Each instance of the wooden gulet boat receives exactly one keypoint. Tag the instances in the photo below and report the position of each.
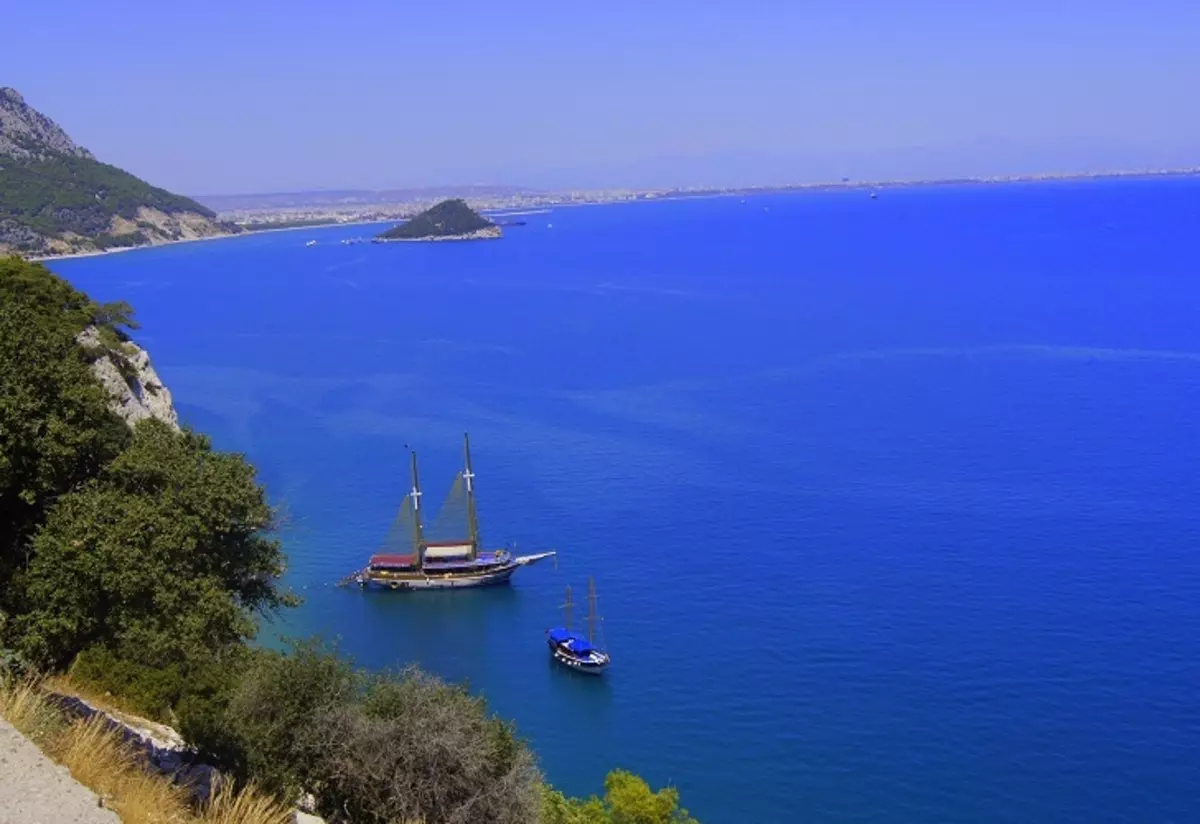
(571, 649)
(446, 563)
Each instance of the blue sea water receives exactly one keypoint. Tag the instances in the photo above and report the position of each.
(891, 505)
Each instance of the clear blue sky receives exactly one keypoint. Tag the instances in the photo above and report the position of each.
(219, 97)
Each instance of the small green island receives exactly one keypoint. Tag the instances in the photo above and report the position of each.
(448, 220)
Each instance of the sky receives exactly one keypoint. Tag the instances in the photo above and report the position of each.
(249, 97)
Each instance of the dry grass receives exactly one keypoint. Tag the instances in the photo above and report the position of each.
(245, 806)
(99, 759)
(22, 706)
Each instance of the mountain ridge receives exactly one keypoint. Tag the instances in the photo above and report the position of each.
(57, 198)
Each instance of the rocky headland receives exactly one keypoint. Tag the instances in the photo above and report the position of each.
(56, 198)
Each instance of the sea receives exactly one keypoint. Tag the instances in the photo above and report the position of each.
(892, 505)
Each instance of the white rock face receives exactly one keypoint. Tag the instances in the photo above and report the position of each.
(143, 396)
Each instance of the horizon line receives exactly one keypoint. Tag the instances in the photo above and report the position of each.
(845, 183)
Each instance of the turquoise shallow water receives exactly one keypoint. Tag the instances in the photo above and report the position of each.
(891, 504)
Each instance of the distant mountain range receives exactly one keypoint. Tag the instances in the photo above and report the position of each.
(56, 198)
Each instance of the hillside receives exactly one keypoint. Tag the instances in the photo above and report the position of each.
(56, 198)
(448, 220)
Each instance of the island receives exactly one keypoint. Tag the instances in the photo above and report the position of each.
(448, 220)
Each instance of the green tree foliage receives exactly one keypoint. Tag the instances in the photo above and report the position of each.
(58, 305)
(161, 557)
(56, 429)
(278, 699)
(59, 193)
(116, 315)
(628, 799)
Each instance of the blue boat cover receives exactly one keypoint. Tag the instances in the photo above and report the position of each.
(571, 641)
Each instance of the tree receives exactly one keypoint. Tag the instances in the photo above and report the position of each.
(115, 315)
(161, 557)
(628, 799)
(56, 429)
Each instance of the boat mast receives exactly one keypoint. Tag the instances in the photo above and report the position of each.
(469, 479)
(567, 609)
(415, 494)
(591, 610)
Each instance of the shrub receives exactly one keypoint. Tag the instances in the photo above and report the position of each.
(379, 748)
(280, 697)
(628, 799)
(416, 748)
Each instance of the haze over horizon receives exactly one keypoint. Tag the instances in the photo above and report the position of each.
(231, 99)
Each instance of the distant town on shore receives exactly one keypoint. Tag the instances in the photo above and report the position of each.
(323, 207)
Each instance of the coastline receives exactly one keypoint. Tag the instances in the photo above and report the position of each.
(99, 252)
(489, 233)
(794, 188)
(247, 233)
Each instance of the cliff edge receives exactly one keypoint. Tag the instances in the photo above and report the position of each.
(124, 370)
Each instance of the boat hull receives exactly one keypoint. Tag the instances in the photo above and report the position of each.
(423, 581)
(576, 664)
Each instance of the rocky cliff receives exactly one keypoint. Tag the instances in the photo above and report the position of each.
(30, 135)
(56, 198)
(125, 372)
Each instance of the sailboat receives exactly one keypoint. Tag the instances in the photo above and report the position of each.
(572, 649)
(414, 558)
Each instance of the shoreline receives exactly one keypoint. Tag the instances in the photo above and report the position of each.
(489, 233)
(246, 233)
(698, 193)
(117, 251)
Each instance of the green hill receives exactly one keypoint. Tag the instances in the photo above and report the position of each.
(55, 197)
(450, 219)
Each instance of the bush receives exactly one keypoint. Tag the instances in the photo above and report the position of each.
(628, 799)
(189, 695)
(415, 748)
(380, 748)
(277, 700)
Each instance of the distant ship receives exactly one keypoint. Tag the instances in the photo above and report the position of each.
(571, 649)
(311, 243)
(410, 560)
(874, 195)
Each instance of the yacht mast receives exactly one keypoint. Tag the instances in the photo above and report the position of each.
(415, 494)
(591, 610)
(567, 609)
(469, 480)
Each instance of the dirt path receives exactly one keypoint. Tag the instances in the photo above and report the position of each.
(35, 790)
